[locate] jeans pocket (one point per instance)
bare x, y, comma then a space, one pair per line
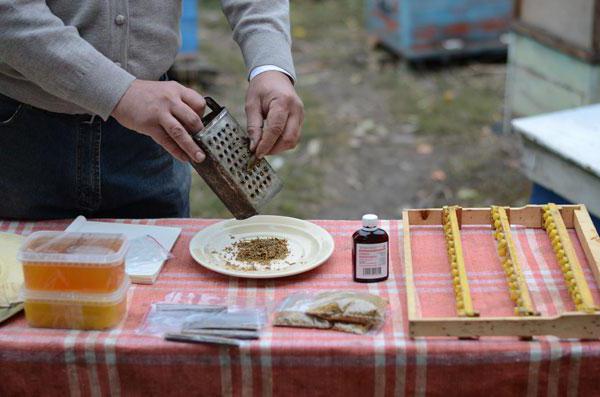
10, 110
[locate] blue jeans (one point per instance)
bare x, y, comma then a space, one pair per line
56, 166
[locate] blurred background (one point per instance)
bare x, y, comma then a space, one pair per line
404, 103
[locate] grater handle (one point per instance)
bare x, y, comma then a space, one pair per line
214, 107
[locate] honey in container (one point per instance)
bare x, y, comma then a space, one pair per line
73, 262
76, 310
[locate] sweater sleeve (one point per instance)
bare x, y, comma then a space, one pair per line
262, 30
38, 45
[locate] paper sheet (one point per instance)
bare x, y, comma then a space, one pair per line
11, 273
166, 236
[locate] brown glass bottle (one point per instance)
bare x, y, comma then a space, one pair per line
370, 252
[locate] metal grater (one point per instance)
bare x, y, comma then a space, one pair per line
243, 183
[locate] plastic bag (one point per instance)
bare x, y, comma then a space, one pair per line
346, 311
292, 313
231, 319
145, 256
204, 323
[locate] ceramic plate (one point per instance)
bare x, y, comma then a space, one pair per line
309, 245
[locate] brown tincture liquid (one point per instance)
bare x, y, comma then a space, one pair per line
370, 252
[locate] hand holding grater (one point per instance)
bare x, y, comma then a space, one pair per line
243, 183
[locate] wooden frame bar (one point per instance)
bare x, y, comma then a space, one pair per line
567, 325
519, 292
565, 254
464, 304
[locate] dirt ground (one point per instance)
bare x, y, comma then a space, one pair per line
379, 136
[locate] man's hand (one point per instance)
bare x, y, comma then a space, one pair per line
271, 98
167, 112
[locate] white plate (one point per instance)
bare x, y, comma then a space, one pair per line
310, 245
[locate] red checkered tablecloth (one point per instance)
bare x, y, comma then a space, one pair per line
297, 362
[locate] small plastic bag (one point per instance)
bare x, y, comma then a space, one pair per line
292, 313
204, 319
231, 319
346, 311
349, 307
145, 256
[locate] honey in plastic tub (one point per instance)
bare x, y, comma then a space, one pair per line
76, 310
73, 262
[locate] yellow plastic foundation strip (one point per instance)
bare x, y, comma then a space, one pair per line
519, 293
464, 305
565, 254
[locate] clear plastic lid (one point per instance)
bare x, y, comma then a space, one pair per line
80, 248
78, 297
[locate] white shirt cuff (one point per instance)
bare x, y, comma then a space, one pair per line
265, 68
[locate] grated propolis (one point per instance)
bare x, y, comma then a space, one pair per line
261, 250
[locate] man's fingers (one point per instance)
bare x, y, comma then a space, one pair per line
169, 145
273, 129
181, 137
254, 122
187, 117
194, 101
291, 135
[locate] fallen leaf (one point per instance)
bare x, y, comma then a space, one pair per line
466, 193
299, 32
355, 79
313, 147
438, 175
424, 148
449, 95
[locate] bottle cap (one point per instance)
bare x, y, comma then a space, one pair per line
370, 220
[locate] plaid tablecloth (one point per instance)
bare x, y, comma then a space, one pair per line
296, 362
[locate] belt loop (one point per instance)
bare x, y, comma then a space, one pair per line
90, 120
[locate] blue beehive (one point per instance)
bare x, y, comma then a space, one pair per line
189, 27
420, 29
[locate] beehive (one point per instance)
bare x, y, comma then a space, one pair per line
420, 29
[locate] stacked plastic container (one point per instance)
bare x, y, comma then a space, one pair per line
74, 280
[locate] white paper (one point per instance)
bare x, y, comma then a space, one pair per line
166, 236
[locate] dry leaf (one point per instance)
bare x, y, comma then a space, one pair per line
299, 32
449, 95
438, 175
424, 148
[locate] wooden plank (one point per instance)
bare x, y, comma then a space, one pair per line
567, 325
589, 239
569, 264
519, 292
545, 63
411, 292
596, 28
550, 40
570, 21
464, 304
528, 216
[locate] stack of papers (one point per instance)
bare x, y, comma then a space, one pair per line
11, 275
161, 237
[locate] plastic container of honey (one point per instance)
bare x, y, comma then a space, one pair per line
73, 262
76, 310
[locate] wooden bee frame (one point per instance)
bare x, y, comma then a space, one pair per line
573, 324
